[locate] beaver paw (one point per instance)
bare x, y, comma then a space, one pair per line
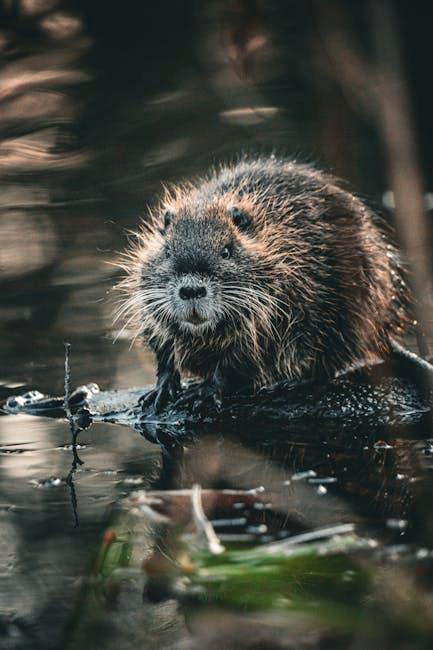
201, 399
166, 390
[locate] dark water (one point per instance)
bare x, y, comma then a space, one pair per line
98, 106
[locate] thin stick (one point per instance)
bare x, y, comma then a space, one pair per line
66, 405
205, 531
73, 496
395, 124
75, 430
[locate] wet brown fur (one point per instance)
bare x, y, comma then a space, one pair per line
322, 284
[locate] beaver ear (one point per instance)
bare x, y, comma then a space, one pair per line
240, 219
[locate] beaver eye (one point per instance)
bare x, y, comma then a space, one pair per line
167, 252
240, 219
168, 218
226, 253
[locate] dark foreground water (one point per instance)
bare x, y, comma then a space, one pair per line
98, 107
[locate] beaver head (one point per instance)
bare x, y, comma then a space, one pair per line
200, 270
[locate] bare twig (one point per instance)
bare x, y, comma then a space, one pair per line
205, 531
75, 430
67, 382
378, 88
395, 125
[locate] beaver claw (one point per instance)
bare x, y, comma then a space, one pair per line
166, 390
201, 399
209, 398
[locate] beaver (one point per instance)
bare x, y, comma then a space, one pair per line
264, 270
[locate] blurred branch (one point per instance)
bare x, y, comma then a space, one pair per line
379, 89
395, 125
206, 535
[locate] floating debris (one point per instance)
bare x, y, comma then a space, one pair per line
301, 476
397, 524
8, 451
133, 480
323, 480
69, 446
48, 483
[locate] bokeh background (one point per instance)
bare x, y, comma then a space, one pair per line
100, 104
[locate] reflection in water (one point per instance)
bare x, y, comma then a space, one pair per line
300, 480
21, 255
61, 25
34, 7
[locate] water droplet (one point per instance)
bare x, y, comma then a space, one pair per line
68, 446
348, 575
259, 506
257, 530
397, 524
48, 483
133, 480
299, 476
382, 445
257, 490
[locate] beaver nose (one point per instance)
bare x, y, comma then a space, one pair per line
188, 293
